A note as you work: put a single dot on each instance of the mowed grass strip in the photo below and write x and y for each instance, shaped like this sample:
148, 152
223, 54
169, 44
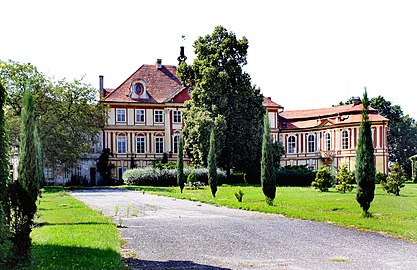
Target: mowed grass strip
69, 235
394, 215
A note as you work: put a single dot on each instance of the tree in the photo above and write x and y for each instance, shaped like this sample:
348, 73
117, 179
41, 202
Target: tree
413, 160
4, 148
224, 99
67, 113
104, 167
395, 180
345, 179
212, 165
323, 180
267, 164
180, 165
365, 167
22, 194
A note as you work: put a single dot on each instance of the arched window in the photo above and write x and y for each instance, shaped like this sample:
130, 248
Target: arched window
291, 145
345, 139
327, 142
311, 143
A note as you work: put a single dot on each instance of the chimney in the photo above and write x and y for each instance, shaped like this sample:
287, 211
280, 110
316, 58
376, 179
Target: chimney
182, 56
158, 63
101, 84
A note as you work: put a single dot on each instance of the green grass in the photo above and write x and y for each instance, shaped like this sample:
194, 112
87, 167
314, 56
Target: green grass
69, 235
393, 215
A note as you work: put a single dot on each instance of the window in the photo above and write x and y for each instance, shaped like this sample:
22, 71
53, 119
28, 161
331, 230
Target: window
345, 139
175, 144
140, 145
120, 115
177, 116
159, 145
291, 144
311, 143
121, 145
327, 141
158, 116
138, 88
140, 116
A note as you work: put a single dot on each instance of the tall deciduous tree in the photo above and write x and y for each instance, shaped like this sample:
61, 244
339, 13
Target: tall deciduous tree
365, 166
180, 165
212, 165
4, 149
223, 98
67, 113
267, 164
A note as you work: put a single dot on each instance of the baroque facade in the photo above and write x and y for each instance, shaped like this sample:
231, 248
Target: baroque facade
145, 121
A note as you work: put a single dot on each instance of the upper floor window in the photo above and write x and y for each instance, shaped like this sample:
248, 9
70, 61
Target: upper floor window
311, 143
291, 144
121, 145
159, 145
177, 116
120, 115
158, 116
345, 139
327, 142
140, 116
140, 145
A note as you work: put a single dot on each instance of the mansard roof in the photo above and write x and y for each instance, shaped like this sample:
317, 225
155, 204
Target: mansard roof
342, 115
160, 84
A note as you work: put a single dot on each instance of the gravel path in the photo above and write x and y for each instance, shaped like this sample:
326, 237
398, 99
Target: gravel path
165, 233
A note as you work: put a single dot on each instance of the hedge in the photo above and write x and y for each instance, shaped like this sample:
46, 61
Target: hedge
294, 176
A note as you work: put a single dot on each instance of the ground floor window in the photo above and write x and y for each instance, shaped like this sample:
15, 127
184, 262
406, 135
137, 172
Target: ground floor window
159, 145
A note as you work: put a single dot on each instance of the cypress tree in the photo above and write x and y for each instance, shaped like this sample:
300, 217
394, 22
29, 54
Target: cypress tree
180, 165
365, 166
4, 147
267, 164
212, 165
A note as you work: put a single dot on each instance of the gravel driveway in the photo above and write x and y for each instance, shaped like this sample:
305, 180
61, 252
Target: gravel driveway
166, 233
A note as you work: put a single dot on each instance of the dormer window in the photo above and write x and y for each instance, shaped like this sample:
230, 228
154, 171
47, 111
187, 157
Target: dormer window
138, 90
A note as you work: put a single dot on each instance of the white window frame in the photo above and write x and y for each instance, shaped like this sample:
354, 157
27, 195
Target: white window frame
327, 141
175, 141
292, 145
159, 145
140, 116
138, 143
311, 144
121, 115
176, 117
345, 139
121, 144
158, 116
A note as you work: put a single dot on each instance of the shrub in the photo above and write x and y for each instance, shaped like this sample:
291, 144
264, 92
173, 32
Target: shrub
324, 180
239, 195
149, 176
345, 179
395, 180
295, 176
235, 178
380, 177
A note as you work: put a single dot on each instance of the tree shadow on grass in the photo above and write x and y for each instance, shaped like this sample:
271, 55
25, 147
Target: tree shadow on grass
71, 257
136, 264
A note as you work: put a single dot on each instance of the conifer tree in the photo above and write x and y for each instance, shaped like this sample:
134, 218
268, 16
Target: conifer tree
395, 180
365, 166
4, 149
180, 165
267, 164
212, 164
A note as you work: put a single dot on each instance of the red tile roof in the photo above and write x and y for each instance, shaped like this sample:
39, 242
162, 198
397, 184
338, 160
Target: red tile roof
160, 84
270, 104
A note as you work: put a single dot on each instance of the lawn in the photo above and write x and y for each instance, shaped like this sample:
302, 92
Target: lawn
390, 214
69, 235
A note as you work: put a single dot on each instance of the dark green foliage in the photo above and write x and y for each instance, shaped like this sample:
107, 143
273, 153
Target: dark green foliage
324, 180
22, 195
345, 179
267, 164
365, 166
239, 195
192, 180
223, 99
299, 176
395, 180
180, 165
235, 178
104, 167
4, 147
212, 165
380, 177
278, 151
413, 160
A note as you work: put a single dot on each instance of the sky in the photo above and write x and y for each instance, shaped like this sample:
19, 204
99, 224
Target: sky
303, 54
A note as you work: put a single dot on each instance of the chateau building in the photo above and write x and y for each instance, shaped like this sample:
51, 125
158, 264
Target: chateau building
145, 121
